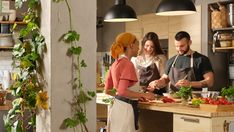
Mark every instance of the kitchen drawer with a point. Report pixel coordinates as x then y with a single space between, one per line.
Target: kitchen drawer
185 123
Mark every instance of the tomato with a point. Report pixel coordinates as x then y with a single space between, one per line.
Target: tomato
167 100
223 101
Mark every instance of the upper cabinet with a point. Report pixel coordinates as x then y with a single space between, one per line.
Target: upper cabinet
167 27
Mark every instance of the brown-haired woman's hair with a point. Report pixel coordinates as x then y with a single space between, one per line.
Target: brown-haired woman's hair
154 38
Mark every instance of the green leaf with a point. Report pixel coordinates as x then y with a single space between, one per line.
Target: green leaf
113 91
82 117
82 97
17 127
70 36
91 93
32 121
70 123
75 50
83 64
33 3
185 92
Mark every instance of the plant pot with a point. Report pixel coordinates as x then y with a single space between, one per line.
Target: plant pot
184 101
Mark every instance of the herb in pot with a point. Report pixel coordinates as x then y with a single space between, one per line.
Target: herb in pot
185 93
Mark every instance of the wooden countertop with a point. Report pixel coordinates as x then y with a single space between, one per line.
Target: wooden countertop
172 108
180 109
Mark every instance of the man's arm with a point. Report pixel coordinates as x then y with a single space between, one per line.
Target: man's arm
208 81
160 83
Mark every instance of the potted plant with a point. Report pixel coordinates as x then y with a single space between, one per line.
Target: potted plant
185 93
228 92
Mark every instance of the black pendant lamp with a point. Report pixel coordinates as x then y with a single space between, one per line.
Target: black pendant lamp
120 12
175 8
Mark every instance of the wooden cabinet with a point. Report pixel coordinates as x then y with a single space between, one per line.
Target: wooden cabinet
187 123
167 27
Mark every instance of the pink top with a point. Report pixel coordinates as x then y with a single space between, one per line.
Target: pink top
121 75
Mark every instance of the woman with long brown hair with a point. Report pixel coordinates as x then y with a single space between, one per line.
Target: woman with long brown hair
150 62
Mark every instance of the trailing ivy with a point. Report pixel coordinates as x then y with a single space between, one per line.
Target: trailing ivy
28 85
80 97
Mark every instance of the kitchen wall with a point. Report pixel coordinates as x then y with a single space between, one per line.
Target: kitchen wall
107 33
110 30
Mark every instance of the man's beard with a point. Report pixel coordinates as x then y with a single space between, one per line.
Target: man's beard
186 51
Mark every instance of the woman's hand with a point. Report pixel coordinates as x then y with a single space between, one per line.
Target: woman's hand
183 83
149 96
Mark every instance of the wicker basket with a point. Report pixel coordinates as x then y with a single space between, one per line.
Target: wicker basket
218 17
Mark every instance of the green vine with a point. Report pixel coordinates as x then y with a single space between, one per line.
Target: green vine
78 119
28 85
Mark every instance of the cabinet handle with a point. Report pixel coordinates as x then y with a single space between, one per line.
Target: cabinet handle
190 119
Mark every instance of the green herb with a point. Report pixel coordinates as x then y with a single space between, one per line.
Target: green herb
228 91
185 92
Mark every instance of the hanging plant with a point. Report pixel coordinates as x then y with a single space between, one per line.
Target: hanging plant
28 85
80 96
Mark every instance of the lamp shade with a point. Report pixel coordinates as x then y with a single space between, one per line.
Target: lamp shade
120 12
175 8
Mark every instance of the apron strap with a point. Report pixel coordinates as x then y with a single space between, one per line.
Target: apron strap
191 61
173 64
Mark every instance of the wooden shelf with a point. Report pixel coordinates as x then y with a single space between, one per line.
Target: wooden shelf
224 29
224 48
6 47
5 34
13 22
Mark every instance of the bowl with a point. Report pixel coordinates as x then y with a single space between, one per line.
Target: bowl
207 94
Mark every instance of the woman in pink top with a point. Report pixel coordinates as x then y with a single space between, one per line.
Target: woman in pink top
122 77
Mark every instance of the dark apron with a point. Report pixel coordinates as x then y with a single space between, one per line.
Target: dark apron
148 74
177 74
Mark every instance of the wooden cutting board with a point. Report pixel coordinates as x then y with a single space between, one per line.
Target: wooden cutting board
216 108
158 103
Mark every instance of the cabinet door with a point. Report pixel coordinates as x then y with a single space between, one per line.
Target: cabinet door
218 124
185 123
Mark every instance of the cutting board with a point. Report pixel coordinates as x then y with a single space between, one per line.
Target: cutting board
158 103
216 108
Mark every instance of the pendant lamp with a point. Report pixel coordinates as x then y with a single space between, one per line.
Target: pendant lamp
120 12
175 8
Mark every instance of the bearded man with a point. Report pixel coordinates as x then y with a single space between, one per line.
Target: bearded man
188 68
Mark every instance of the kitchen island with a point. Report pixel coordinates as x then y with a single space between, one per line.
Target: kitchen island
174 117
182 119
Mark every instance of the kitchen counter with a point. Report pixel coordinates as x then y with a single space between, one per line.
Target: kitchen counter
180 109
175 117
